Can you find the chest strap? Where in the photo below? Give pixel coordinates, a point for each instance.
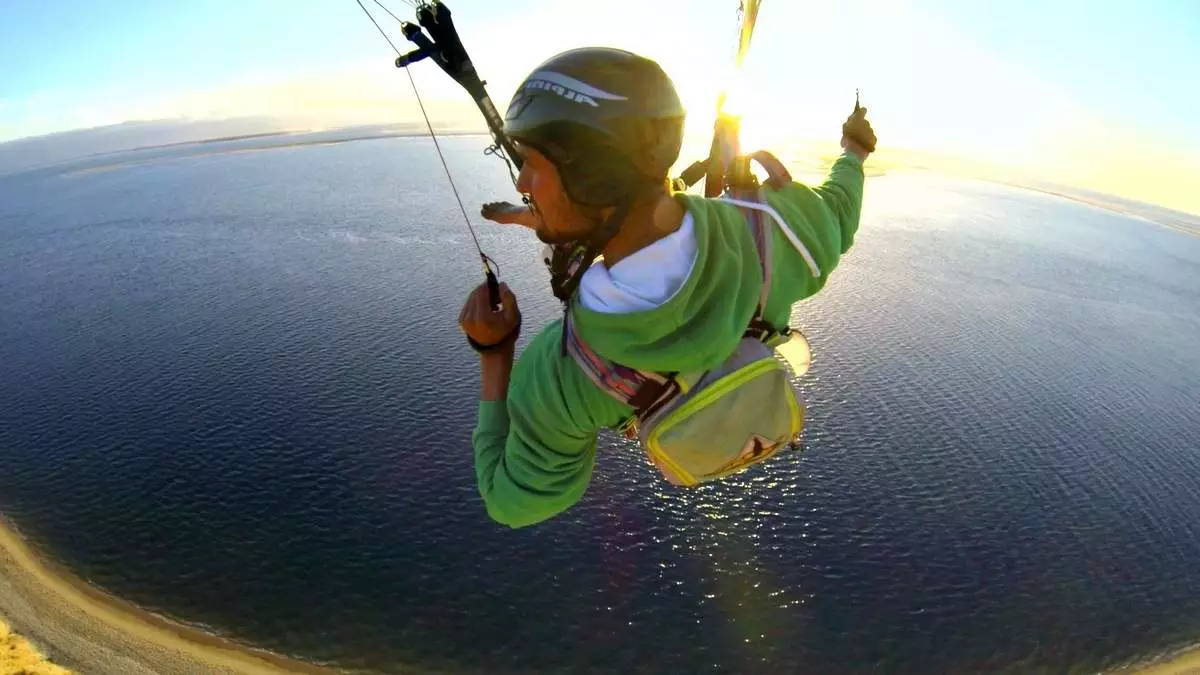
(647, 391)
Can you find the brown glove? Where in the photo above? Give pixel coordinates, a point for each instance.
(858, 130)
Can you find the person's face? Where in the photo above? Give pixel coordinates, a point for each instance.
(559, 219)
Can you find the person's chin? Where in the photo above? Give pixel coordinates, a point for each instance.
(552, 238)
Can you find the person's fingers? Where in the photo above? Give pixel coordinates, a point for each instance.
(483, 297)
(471, 317)
(507, 293)
(503, 293)
(479, 321)
(480, 307)
(465, 316)
(511, 311)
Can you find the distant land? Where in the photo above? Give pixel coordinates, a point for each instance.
(886, 160)
(1176, 220)
(134, 143)
(42, 151)
(66, 147)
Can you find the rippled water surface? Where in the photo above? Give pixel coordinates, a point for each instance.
(232, 390)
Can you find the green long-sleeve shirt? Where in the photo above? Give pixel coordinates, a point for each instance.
(535, 451)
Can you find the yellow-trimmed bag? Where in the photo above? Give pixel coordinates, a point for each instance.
(697, 427)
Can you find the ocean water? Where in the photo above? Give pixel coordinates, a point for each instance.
(232, 390)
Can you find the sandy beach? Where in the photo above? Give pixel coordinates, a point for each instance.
(18, 656)
(87, 631)
(1187, 663)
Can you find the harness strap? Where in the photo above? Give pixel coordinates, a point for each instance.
(747, 197)
(647, 391)
(625, 384)
(777, 174)
(759, 229)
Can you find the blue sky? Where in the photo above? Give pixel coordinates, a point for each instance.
(82, 45)
(1090, 83)
(1138, 61)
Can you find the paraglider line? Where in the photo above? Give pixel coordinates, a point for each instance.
(487, 261)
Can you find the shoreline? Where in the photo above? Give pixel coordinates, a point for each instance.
(1184, 662)
(81, 628)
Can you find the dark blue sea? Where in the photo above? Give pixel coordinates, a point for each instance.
(232, 391)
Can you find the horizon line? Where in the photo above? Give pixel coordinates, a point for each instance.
(898, 157)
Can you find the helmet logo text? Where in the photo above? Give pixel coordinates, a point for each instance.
(569, 88)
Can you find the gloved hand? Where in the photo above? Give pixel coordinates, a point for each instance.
(857, 135)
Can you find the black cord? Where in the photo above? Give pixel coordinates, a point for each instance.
(380, 28)
(497, 150)
(438, 146)
(384, 8)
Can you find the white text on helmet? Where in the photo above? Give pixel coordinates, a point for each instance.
(569, 88)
